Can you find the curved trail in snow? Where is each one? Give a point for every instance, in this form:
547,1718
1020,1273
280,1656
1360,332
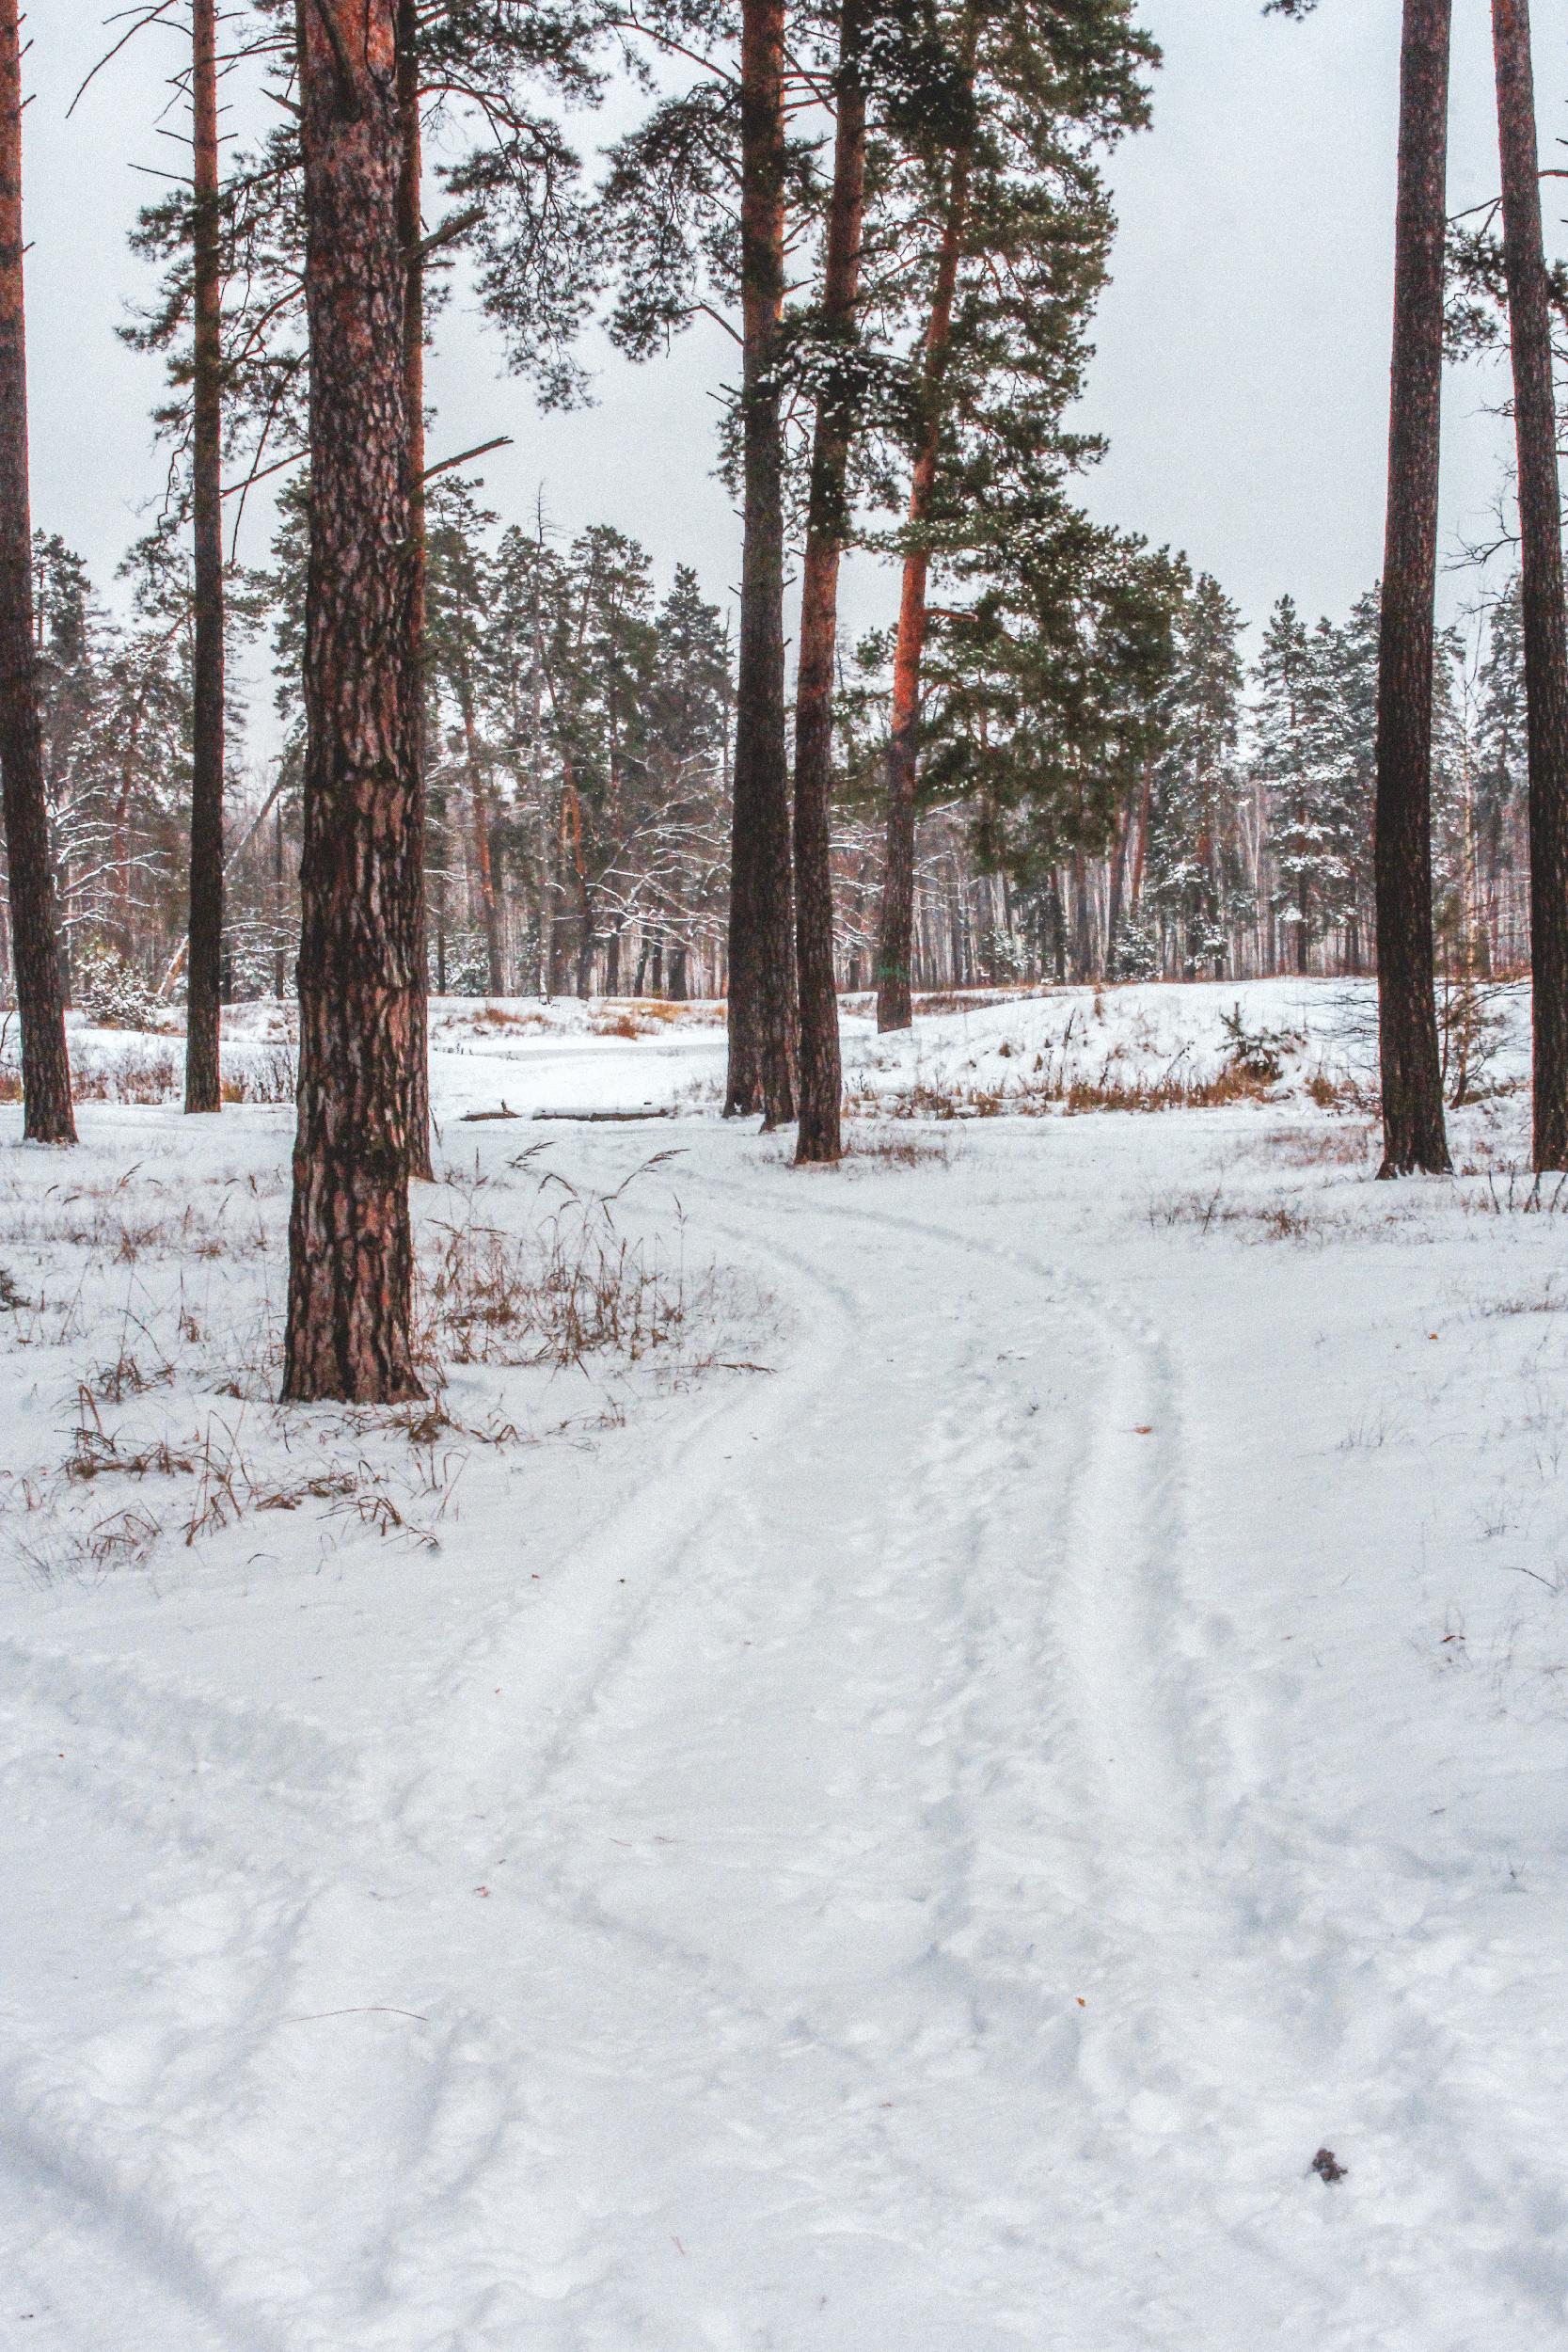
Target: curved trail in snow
851,1931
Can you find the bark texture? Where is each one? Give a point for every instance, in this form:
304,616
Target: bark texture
350,1248
204,958
411,227
1413,1140
821,1071
1545,626
896,940
35,947
762,1019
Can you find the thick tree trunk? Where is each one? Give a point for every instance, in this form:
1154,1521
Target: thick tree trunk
410,229
350,1246
762,1022
826,521
35,945
1541,574
204,958
1413,1132
895,941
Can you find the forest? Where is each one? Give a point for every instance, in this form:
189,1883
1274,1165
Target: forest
938,1079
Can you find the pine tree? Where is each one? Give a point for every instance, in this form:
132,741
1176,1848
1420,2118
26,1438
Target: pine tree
1413,1137
350,1247
204,958
1546,622
821,1081
1297,761
1003,253
1501,772
47,1116
1194,880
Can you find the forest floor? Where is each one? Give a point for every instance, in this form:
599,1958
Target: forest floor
895,1754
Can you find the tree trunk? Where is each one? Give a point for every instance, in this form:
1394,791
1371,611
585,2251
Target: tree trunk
818,1140
1546,629
1300,926
204,960
35,947
410,229
1413,1134
479,818
896,943
762,1023
280,977
350,1244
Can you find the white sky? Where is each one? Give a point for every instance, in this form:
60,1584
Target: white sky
1242,350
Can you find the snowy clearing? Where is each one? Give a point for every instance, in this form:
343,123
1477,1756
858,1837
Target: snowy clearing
894,1790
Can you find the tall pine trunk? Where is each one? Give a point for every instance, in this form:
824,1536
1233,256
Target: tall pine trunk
1545,626
204,958
350,1244
1413,1134
762,1019
827,520
35,945
896,940
411,227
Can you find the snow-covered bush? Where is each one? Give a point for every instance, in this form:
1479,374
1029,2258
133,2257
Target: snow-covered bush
113,991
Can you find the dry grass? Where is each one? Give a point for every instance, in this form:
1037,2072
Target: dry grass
149,1074
651,1016
1047,1087
1275,1220
896,1150
1318,1147
575,1287
1516,1192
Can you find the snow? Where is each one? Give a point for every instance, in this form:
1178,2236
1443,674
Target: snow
903,1817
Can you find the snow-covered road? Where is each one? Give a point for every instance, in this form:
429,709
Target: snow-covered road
913,1848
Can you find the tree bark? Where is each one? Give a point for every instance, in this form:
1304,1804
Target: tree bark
818,1138
761,1014
1413,1132
350,1244
35,945
1545,626
895,941
410,229
204,960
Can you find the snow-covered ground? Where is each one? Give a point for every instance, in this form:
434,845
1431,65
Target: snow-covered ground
894,1806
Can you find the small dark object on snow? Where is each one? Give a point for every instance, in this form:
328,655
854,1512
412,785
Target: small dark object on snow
1326,2165
473,1118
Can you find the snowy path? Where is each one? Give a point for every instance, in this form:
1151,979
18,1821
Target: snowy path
848,1874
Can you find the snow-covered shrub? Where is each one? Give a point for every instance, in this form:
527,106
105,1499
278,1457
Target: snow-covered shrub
113,991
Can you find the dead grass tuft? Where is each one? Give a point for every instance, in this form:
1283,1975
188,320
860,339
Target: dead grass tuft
570,1287
1275,1220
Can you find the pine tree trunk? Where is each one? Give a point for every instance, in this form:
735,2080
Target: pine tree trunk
1541,574
1413,1132
818,1138
350,1244
895,941
762,1022
204,958
410,229
35,945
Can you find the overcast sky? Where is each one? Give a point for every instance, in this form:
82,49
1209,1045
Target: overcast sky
1243,349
